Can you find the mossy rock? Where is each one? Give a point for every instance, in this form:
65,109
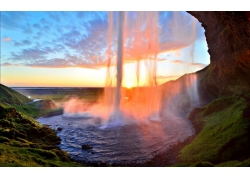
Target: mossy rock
225,134
18,144
203,164
45,153
4,139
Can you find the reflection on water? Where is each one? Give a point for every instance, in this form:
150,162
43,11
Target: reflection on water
131,141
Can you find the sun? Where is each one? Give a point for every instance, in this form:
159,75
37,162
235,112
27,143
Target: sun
128,84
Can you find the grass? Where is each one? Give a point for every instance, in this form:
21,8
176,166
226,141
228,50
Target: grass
224,132
34,109
23,141
91,97
10,96
12,156
60,95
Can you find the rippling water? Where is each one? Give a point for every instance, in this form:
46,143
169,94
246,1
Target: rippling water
127,142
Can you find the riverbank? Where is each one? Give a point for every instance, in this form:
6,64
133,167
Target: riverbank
23,141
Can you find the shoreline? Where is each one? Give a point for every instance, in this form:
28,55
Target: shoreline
53,113
164,159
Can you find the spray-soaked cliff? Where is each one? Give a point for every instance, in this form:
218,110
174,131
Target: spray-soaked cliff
228,39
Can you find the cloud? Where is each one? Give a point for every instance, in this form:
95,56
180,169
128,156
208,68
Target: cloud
29,54
178,30
27,29
167,77
46,28
55,16
36,25
6,39
177,61
80,39
17,44
10,64
44,21
12,20
162,59
23,43
200,65
61,63
6,64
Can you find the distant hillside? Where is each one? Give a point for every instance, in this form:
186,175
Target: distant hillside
10,96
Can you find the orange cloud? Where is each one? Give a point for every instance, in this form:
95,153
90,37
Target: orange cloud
200,65
6,39
177,61
9,64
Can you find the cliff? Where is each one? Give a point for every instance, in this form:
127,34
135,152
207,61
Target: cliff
228,39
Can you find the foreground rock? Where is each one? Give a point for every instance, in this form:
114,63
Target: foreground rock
86,147
59,129
24,142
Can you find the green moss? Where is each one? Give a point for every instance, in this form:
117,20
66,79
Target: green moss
4,139
245,163
30,157
224,135
23,141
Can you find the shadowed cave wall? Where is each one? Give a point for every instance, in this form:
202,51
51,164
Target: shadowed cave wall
228,39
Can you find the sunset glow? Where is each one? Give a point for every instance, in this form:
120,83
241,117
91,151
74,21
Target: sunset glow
69,49
129,84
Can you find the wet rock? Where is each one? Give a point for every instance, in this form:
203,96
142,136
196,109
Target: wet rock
45,104
46,125
86,147
230,31
34,145
19,115
59,129
5,123
13,111
54,113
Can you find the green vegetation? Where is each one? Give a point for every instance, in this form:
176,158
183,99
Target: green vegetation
30,157
224,137
60,95
35,109
23,141
89,96
10,96
222,128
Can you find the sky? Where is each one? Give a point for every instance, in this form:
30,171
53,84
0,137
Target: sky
72,48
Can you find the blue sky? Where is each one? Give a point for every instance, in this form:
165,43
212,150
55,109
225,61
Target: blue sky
59,40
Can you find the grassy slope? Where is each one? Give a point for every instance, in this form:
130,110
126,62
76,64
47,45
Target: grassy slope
34,109
23,141
12,97
224,138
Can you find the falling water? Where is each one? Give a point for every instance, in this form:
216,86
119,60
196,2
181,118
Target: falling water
138,43
119,67
143,48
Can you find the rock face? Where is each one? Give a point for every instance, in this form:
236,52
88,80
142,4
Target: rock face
228,39
45,104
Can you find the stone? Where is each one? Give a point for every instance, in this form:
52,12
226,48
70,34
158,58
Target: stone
86,147
59,129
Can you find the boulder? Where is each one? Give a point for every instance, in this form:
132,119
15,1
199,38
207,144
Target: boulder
59,129
86,147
